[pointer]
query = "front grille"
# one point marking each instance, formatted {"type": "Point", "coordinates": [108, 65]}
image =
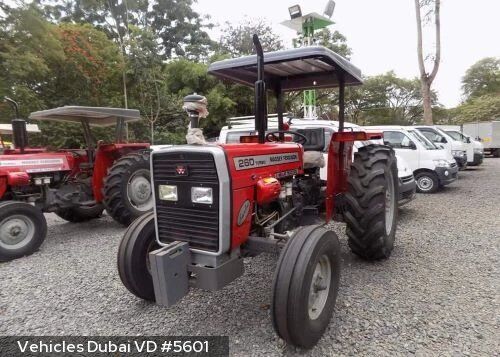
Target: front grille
{"type": "Point", "coordinates": [197, 224]}
{"type": "Point", "coordinates": [453, 164]}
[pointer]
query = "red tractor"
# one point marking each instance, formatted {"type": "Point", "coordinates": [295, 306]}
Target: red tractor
{"type": "Point", "coordinates": [215, 204]}
{"type": "Point", "coordinates": [76, 184]}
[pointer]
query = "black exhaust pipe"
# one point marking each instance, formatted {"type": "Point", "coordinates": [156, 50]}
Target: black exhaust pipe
{"type": "Point", "coordinates": [260, 93]}
{"type": "Point", "coordinates": [19, 132]}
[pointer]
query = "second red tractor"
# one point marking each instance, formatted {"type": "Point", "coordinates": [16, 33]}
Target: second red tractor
{"type": "Point", "coordinates": [75, 184]}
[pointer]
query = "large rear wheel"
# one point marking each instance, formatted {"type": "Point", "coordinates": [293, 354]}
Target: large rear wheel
{"type": "Point", "coordinates": [127, 188]}
{"type": "Point", "coordinates": [133, 257]}
{"type": "Point", "coordinates": [22, 229]}
{"type": "Point", "coordinates": [305, 287]}
{"type": "Point", "coordinates": [371, 202]}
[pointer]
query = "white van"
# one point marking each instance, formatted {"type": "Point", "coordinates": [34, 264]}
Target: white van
{"type": "Point", "coordinates": [432, 167]}
{"type": "Point", "coordinates": [241, 126]}
{"type": "Point", "coordinates": [475, 149]}
{"type": "Point", "coordinates": [439, 137]}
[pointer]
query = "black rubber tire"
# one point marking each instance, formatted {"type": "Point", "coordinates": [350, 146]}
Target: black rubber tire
{"type": "Point", "coordinates": [137, 242]}
{"type": "Point", "coordinates": [114, 191]}
{"type": "Point", "coordinates": [371, 170]}
{"type": "Point", "coordinates": [430, 176]}
{"type": "Point", "coordinates": [10, 208]}
{"type": "Point", "coordinates": [292, 281]}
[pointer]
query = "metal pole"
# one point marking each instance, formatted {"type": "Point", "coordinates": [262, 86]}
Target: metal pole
{"type": "Point", "coordinates": [341, 79]}
{"type": "Point", "coordinates": [280, 107]}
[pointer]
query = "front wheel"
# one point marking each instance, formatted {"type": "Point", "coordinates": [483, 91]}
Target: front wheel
{"type": "Point", "coordinates": [22, 230]}
{"type": "Point", "coordinates": [427, 182]}
{"type": "Point", "coordinates": [371, 212]}
{"type": "Point", "coordinates": [305, 286]}
{"type": "Point", "coordinates": [133, 257]}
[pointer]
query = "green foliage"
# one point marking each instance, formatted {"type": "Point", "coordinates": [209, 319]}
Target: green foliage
{"type": "Point", "coordinates": [334, 41]}
{"type": "Point", "coordinates": [388, 99]}
{"type": "Point", "coordinates": [483, 108]}
{"type": "Point", "coordinates": [180, 29]}
{"type": "Point", "coordinates": [482, 78]}
{"type": "Point", "coordinates": [237, 39]}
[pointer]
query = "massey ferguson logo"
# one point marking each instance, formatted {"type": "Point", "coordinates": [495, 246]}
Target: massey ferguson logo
{"type": "Point", "coordinates": [181, 170]}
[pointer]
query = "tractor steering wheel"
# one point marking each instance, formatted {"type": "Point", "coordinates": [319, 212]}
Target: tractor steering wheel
{"type": "Point", "coordinates": [271, 136]}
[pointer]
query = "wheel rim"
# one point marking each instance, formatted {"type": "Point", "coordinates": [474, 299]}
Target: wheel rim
{"type": "Point", "coordinates": [425, 183]}
{"type": "Point", "coordinates": [390, 205]}
{"type": "Point", "coordinates": [16, 231]}
{"type": "Point", "coordinates": [320, 287]}
{"type": "Point", "coordinates": [139, 191]}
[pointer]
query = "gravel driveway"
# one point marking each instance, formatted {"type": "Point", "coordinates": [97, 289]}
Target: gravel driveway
{"type": "Point", "coordinates": [437, 294]}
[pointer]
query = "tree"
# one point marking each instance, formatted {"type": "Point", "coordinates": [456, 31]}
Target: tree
{"type": "Point", "coordinates": [483, 108]}
{"type": "Point", "coordinates": [388, 99]}
{"type": "Point", "coordinates": [236, 40]}
{"type": "Point", "coordinates": [43, 65]}
{"type": "Point", "coordinates": [148, 87]}
{"type": "Point", "coordinates": [482, 78]}
{"type": "Point", "coordinates": [426, 78]}
{"type": "Point", "coordinates": [180, 29]}
{"type": "Point", "coordinates": [335, 41]}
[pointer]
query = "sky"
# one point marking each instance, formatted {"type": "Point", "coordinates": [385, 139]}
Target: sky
{"type": "Point", "coordinates": [382, 33]}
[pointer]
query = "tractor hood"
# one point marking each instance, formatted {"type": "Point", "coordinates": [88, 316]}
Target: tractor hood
{"type": "Point", "coordinates": [34, 163]}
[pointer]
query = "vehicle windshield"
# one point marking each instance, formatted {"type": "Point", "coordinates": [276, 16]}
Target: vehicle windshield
{"type": "Point", "coordinates": [429, 145]}
{"type": "Point", "coordinates": [456, 135]}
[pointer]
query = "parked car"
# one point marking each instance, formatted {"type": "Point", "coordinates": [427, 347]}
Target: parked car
{"type": "Point", "coordinates": [457, 148]}
{"type": "Point", "coordinates": [488, 133]}
{"type": "Point", "coordinates": [432, 167]}
{"type": "Point", "coordinates": [475, 150]}
{"type": "Point", "coordinates": [241, 126]}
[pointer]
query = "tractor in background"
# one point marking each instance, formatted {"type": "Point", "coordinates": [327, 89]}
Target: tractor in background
{"type": "Point", "coordinates": [75, 184]}
{"type": "Point", "coordinates": [217, 203]}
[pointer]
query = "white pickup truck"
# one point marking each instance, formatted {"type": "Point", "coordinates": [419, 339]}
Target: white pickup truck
{"type": "Point", "coordinates": [475, 149]}
{"type": "Point", "coordinates": [432, 167]}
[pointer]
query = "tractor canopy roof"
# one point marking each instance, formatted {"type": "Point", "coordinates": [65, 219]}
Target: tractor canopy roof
{"type": "Point", "coordinates": [95, 116]}
{"type": "Point", "coordinates": [294, 69]}
{"type": "Point", "coordinates": [7, 128]}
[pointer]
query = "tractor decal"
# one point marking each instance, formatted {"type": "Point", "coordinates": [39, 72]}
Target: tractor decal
{"type": "Point", "coordinates": [39, 162]}
{"type": "Point", "coordinates": [250, 162]}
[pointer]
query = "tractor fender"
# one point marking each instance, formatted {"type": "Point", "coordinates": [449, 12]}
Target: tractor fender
{"type": "Point", "coordinates": [106, 155]}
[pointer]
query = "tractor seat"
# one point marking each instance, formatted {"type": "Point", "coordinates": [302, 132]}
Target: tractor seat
{"type": "Point", "coordinates": [313, 156]}
{"type": "Point", "coordinates": [315, 138]}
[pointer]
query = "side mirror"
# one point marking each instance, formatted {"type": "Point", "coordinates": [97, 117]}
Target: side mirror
{"type": "Point", "coordinates": [412, 145]}
{"type": "Point", "coordinates": [443, 140]}
{"type": "Point", "coordinates": [467, 140]}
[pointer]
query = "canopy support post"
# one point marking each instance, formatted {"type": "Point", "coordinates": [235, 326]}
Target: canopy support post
{"type": "Point", "coordinates": [280, 108]}
{"type": "Point", "coordinates": [341, 78]}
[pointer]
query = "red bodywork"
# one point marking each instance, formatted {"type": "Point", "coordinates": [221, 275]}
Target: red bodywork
{"type": "Point", "coordinates": [247, 175]}
{"type": "Point", "coordinates": [16, 168]}
{"type": "Point", "coordinates": [282, 159]}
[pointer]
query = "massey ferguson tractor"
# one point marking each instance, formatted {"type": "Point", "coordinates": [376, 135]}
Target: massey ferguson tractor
{"type": "Point", "coordinates": [76, 184]}
{"type": "Point", "coordinates": [215, 204]}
